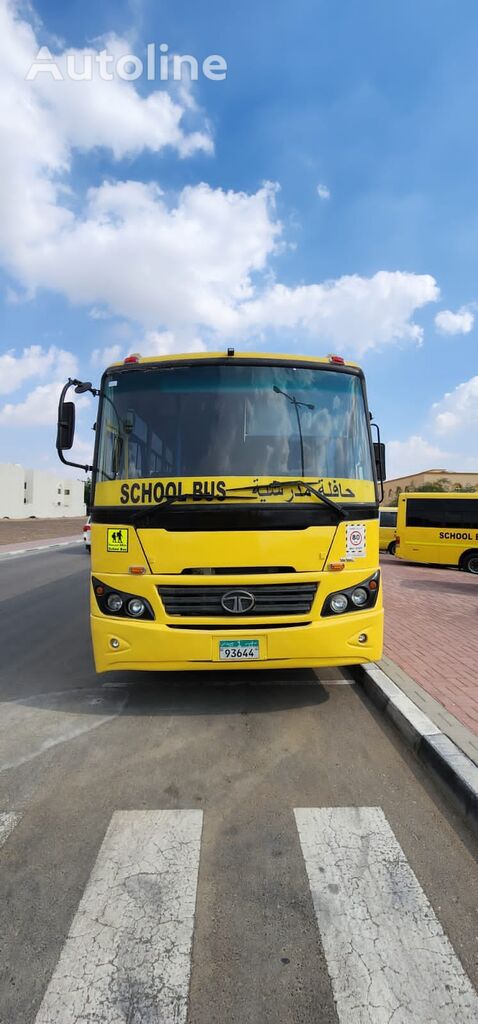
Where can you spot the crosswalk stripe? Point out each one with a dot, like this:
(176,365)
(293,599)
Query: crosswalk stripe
(387,954)
(127,955)
(8,820)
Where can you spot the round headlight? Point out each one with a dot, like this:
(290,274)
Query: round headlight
(114,602)
(136,607)
(338,603)
(359,597)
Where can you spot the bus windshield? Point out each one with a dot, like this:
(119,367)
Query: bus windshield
(233,420)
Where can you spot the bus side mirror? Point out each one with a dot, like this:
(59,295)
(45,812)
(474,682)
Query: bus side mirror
(379,450)
(66,426)
(65,431)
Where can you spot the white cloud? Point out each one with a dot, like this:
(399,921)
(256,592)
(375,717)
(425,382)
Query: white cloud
(458,410)
(34,361)
(43,121)
(164,343)
(414,455)
(455,323)
(103,357)
(160,264)
(453,424)
(39,408)
(152,343)
(323,191)
(352,313)
(196,265)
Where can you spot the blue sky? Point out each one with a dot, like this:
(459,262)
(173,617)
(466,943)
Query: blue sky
(135,215)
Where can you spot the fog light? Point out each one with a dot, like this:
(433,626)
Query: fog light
(114,602)
(135,607)
(359,597)
(362,638)
(338,603)
(114,644)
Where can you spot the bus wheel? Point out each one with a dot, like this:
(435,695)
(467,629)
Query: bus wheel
(469,562)
(391,548)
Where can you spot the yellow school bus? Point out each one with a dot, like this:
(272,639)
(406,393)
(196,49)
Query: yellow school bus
(439,529)
(388,527)
(234,513)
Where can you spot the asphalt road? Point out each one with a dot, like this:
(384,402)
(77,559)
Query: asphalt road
(307,870)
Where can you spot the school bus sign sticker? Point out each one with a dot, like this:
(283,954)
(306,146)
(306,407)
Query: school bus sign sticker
(117,539)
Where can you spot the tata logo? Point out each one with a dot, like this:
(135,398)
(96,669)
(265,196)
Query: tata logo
(237,602)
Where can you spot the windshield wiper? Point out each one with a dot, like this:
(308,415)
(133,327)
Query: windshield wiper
(174,499)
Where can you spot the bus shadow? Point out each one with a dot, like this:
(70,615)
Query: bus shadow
(175,694)
(218,693)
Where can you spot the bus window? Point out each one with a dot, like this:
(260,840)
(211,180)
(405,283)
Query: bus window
(440,513)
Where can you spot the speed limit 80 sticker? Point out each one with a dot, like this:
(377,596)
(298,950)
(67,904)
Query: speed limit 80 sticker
(356,540)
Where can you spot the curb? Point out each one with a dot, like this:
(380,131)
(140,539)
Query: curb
(41,547)
(457,774)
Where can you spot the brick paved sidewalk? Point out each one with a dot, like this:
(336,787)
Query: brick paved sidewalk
(431,632)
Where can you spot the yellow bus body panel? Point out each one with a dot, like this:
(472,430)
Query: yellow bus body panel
(433,545)
(387,534)
(160,644)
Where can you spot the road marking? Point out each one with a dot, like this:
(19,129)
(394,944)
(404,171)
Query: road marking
(31,725)
(387,954)
(8,820)
(127,956)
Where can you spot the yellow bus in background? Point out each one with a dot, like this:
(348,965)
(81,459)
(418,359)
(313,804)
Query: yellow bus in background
(388,528)
(439,529)
(234,513)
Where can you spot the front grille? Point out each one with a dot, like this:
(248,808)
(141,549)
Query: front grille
(236,625)
(269,599)
(245,570)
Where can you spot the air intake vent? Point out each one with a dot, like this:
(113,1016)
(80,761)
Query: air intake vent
(232,602)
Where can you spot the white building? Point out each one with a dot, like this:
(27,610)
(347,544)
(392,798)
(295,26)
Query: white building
(31,492)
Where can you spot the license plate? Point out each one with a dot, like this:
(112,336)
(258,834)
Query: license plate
(238,650)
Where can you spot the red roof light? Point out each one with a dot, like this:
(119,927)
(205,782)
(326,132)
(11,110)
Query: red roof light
(337,359)
(133,359)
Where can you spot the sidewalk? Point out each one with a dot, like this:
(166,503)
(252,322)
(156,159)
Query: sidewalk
(23,547)
(25,532)
(431,634)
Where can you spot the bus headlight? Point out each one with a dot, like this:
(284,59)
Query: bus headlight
(123,605)
(358,598)
(135,607)
(114,602)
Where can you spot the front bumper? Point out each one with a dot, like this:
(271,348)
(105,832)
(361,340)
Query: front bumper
(156,646)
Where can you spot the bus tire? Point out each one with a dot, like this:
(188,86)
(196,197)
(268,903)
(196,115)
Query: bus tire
(391,548)
(469,562)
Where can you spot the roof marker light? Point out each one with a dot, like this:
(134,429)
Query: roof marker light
(337,359)
(134,358)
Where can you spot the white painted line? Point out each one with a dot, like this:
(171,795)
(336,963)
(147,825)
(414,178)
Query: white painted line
(387,954)
(337,682)
(8,820)
(128,953)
